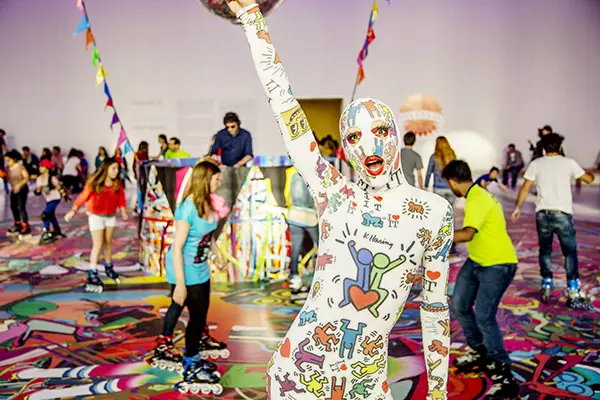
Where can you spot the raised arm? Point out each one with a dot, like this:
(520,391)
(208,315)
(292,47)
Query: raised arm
(435,316)
(295,130)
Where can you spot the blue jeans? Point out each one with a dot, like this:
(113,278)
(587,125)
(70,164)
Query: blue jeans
(49,216)
(483,287)
(562,224)
(297,234)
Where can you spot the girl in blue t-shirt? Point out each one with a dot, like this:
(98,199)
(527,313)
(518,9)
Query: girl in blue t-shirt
(188,274)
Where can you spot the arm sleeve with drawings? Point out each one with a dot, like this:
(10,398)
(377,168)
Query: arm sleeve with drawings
(298,138)
(435,317)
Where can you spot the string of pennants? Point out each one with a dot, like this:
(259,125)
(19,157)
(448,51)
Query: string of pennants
(90,41)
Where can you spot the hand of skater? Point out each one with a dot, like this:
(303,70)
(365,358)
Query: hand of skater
(179,294)
(236,5)
(69,215)
(516,214)
(124,215)
(220,261)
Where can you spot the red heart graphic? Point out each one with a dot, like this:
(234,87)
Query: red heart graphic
(396,217)
(362,300)
(378,198)
(313,146)
(353,204)
(384,386)
(285,348)
(433,275)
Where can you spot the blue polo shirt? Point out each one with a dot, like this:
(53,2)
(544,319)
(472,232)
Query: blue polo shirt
(233,148)
(485,178)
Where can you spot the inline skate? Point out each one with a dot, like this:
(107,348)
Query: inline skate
(472,361)
(164,355)
(577,298)
(196,379)
(547,286)
(504,386)
(111,273)
(47,237)
(94,283)
(211,348)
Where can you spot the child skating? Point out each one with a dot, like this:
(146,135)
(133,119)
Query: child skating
(18,178)
(103,195)
(48,185)
(188,273)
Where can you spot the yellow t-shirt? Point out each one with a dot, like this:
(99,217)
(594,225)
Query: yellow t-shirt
(178,154)
(491,245)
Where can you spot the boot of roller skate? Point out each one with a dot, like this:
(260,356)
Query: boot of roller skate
(198,380)
(94,283)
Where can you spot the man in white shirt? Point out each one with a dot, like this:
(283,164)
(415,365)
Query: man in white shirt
(553,175)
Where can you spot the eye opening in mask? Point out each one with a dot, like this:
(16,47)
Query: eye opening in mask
(353,137)
(381,131)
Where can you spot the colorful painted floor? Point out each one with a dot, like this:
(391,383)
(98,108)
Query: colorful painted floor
(57,341)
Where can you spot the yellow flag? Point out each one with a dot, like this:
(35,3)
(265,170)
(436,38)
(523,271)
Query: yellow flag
(100,75)
(375,11)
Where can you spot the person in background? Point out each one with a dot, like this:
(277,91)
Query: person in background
(103,195)
(100,157)
(46,155)
(17,177)
(553,175)
(70,174)
(140,157)
(441,157)
(175,150)
(163,145)
(233,144)
(538,149)
(492,176)
(48,185)
(3,151)
(123,166)
(328,147)
(302,218)
(84,168)
(482,281)
(57,160)
(212,142)
(512,166)
(411,161)
(31,162)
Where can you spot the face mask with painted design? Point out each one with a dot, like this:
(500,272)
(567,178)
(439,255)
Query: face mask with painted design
(370,139)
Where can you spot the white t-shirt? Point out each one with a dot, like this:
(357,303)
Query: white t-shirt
(553,177)
(71,166)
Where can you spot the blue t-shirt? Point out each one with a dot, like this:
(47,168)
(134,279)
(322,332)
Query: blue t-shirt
(196,248)
(485,178)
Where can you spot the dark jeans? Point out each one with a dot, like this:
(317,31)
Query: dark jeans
(514,175)
(49,216)
(197,301)
(297,235)
(560,224)
(484,288)
(18,204)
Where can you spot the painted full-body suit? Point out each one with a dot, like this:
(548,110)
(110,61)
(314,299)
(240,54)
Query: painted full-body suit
(379,231)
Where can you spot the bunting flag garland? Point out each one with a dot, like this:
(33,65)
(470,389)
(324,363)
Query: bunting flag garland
(84,25)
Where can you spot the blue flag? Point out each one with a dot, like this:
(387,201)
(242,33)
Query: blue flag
(83,25)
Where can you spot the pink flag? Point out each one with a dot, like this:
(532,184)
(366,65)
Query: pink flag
(122,137)
(79,4)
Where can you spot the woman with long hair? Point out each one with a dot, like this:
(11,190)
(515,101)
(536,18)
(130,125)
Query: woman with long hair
(188,274)
(18,178)
(48,185)
(441,157)
(103,195)
(46,154)
(102,154)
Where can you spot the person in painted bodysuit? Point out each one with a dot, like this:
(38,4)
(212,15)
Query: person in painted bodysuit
(379,231)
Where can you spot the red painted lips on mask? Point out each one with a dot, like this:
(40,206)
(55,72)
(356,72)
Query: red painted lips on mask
(374,165)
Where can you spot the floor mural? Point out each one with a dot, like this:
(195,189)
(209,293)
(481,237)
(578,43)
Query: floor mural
(58,341)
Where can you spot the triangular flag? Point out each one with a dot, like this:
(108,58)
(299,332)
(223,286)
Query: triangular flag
(126,148)
(83,25)
(122,137)
(89,39)
(361,75)
(79,4)
(95,58)
(100,75)
(115,120)
(109,103)
(107,92)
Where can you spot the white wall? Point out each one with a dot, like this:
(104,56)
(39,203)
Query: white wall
(500,69)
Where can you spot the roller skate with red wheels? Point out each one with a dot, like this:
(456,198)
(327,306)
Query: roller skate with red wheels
(164,355)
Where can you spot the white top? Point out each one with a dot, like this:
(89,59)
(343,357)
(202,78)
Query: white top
(71,166)
(553,176)
(49,187)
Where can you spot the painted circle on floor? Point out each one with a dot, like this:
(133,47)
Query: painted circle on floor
(32,308)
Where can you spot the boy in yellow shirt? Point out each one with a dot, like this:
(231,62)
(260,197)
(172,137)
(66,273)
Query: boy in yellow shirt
(482,281)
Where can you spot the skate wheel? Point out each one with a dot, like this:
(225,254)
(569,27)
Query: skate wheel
(100,289)
(162,364)
(117,281)
(183,387)
(170,367)
(217,389)
(195,389)
(225,353)
(205,390)
(217,374)
(179,368)
(154,363)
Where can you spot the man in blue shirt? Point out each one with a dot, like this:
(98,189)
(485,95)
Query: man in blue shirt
(233,144)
